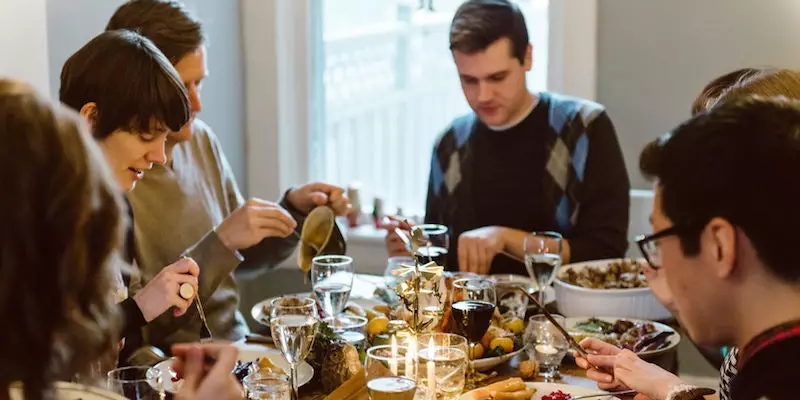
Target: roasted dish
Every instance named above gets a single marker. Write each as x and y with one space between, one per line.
634 336
624 274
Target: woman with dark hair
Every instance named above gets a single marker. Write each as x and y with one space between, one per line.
130 120
63 226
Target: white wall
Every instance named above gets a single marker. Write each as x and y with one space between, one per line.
71 23
655 56
23 32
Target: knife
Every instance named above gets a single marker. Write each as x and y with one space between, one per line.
552 320
187 292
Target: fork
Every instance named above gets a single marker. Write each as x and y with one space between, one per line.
589 396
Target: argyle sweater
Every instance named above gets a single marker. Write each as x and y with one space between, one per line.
585 186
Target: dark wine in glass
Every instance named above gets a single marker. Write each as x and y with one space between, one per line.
472 318
427 254
473 302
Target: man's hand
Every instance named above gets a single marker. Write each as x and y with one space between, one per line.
251 223
628 371
478 247
395 246
163 291
305 198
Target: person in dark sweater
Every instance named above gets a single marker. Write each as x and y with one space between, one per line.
726 195
521 161
130 121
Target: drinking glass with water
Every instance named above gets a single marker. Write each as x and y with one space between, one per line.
332 280
294 325
542 258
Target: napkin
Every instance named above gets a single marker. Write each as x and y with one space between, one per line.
354 389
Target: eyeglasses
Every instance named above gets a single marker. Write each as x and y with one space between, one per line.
649 244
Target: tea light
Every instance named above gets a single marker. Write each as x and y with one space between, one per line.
546 349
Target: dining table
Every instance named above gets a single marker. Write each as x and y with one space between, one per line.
363 291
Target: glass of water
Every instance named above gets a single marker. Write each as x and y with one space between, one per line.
332 280
542 258
267 387
393 267
294 324
442 365
546 344
136 383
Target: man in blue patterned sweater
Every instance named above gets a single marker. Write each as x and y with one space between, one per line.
521 161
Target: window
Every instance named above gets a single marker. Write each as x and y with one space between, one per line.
387 88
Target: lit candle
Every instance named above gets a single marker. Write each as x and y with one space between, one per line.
431 371
393 358
411 355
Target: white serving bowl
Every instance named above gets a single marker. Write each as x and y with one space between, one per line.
576 301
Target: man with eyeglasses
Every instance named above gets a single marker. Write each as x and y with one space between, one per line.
726 197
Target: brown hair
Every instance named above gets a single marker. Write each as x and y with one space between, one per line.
174 30
766 83
713 89
479 23
130 81
59 238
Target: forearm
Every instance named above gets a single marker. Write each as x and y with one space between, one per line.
133 319
272 251
514 239
215 261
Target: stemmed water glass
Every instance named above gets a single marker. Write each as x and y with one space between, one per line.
542 258
294 324
473 303
433 245
332 280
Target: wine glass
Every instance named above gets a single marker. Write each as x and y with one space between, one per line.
294 324
393 266
546 344
542 258
332 280
433 245
473 303
387 375
136 383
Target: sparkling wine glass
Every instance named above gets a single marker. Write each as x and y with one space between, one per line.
473 302
332 280
388 374
294 324
542 259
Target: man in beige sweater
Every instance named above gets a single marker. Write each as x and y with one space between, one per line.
192 204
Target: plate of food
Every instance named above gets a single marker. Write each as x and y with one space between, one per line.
252 359
613 287
516 389
645 338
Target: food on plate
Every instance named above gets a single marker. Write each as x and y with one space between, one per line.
509 389
504 343
557 395
514 325
260 365
378 325
334 360
528 369
634 336
619 274
477 351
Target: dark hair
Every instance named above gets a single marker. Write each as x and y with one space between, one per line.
714 88
174 30
130 81
59 242
737 161
479 23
